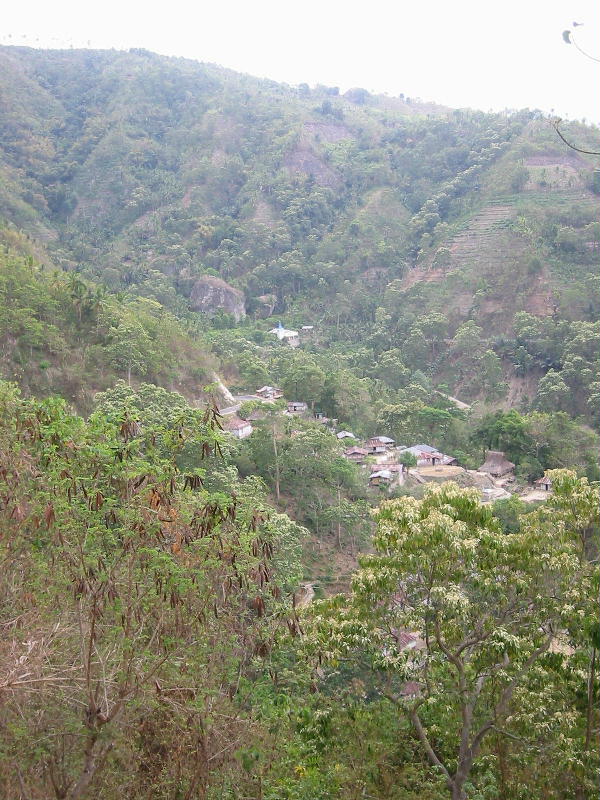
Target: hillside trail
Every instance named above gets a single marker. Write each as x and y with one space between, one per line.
458 403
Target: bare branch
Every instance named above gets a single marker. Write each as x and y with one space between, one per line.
570 39
431 754
555 123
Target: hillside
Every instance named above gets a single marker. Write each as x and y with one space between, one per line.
62 335
460 244
298 434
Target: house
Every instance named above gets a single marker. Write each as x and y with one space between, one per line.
296 407
408 640
382 477
428 456
376 449
240 428
384 440
432 458
307 328
389 467
345 435
496 464
379 444
544 483
285 335
356 454
269 393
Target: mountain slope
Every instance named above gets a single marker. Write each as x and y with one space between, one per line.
364 214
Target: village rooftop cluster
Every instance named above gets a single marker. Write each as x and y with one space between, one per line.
390 465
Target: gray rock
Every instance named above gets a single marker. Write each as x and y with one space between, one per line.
265 305
210 294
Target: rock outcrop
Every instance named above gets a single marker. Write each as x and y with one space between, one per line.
265 305
209 294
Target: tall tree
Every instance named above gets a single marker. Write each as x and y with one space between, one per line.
486 609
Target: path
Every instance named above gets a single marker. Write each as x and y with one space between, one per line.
458 403
238 400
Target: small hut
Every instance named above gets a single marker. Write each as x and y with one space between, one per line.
240 428
382 477
496 464
544 483
297 407
357 454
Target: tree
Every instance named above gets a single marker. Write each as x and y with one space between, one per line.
130 348
392 370
408 461
150 600
486 608
152 404
507 431
303 380
266 446
401 419
553 393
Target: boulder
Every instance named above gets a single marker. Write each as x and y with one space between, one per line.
265 305
209 294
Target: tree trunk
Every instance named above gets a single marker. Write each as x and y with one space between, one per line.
502 768
458 786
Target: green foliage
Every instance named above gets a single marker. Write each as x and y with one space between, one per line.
148 599
84 336
489 610
429 251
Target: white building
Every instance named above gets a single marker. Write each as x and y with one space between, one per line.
284 335
240 428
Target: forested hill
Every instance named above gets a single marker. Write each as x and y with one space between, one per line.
452 243
315 589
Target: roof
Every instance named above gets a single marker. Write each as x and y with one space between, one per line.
386 466
283 333
496 463
545 481
345 435
358 451
427 453
382 439
233 423
383 473
417 449
266 389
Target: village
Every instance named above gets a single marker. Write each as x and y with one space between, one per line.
388 465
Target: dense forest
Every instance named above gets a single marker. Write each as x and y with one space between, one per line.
306 611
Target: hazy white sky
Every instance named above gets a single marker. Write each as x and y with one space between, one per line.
487 55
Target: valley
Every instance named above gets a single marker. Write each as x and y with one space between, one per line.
299 440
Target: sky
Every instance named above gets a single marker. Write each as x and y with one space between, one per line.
486 55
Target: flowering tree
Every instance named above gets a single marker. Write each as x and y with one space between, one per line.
475 636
